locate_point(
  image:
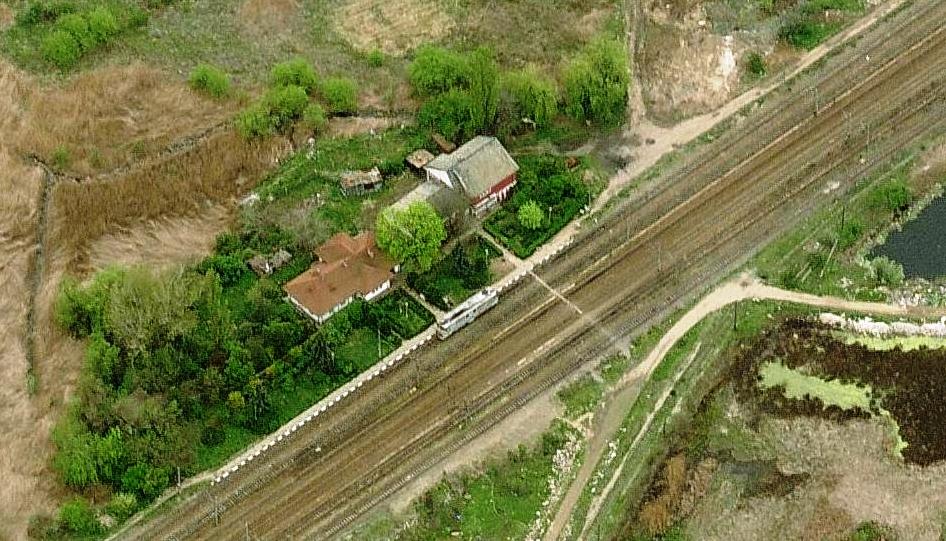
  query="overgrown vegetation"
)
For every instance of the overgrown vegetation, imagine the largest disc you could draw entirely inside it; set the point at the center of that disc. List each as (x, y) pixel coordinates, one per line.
(581, 396)
(816, 20)
(461, 273)
(61, 32)
(210, 80)
(547, 182)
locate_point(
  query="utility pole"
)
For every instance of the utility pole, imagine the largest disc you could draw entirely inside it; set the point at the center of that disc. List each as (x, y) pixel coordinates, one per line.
(735, 316)
(379, 343)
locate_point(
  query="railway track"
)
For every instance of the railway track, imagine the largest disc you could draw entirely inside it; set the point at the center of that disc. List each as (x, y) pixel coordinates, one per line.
(706, 217)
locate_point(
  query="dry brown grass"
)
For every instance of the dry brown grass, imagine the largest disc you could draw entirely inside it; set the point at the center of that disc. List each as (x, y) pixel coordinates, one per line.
(393, 26)
(222, 167)
(114, 116)
(265, 16)
(165, 241)
(6, 16)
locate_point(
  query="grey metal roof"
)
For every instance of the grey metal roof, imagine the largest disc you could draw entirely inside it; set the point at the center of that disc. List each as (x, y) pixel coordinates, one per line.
(478, 165)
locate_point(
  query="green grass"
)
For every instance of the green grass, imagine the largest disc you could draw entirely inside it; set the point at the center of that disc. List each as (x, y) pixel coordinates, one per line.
(905, 343)
(497, 501)
(581, 396)
(612, 369)
(812, 23)
(797, 385)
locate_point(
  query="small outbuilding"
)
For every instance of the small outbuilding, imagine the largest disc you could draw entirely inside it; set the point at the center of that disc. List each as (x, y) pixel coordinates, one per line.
(361, 182)
(265, 265)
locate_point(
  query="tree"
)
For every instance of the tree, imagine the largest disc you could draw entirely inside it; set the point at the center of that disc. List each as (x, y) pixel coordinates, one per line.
(596, 83)
(533, 96)
(412, 236)
(531, 215)
(450, 114)
(483, 91)
(436, 70)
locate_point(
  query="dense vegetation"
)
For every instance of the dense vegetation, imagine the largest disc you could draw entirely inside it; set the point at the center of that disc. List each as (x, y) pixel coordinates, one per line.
(461, 273)
(816, 20)
(547, 182)
(467, 94)
(411, 235)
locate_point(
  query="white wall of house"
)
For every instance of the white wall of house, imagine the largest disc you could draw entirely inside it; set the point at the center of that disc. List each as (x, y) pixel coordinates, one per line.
(322, 318)
(381, 289)
(441, 176)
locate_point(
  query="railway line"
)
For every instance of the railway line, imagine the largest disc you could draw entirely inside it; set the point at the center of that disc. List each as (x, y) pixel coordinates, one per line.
(698, 221)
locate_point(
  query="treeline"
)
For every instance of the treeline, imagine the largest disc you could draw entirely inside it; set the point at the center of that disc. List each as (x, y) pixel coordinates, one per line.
(467, 94)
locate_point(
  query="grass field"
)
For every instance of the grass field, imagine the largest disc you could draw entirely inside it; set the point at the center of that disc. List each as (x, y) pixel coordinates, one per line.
(798, 385)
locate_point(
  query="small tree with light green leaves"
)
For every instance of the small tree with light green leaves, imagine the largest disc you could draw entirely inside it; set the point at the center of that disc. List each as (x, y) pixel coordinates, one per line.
(530, 215)
(412, 235)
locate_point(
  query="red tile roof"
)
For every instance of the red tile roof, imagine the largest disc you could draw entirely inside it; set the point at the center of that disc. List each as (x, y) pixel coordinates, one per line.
(348, 267)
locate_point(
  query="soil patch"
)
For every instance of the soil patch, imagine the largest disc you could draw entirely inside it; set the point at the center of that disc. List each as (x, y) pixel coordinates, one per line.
(265, 16)
(7, 16)
(392, 26)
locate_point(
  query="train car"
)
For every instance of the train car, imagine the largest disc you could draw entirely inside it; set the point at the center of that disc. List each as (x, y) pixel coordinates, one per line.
(466, 312)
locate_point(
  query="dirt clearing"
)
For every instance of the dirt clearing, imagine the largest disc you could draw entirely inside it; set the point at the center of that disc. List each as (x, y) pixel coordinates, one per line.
(267, 16)
(6, 16)
(392, 26)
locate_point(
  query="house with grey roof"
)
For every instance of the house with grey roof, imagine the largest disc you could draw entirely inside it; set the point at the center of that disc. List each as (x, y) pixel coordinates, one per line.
(481, 169)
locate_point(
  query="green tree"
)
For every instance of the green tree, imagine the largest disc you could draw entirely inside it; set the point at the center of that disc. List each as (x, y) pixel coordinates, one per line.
(78, 517)
(436, 70)
(75, 453)
(340, 94)
(534, 96)
(295, 72)
(450, 114)
(412, 236)
(483, 91)
(145, 480)
(596, 83)
(531, 215)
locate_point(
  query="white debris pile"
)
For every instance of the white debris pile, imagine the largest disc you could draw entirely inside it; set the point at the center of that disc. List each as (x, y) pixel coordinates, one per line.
(879, 328)
(562, 465)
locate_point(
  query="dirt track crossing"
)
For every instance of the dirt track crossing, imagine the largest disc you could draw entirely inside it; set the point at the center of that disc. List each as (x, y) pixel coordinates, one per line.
(694, 224)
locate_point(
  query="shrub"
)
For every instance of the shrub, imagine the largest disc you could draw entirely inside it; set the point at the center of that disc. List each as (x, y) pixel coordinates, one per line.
(210, 80)
(886, 271)
(313, 118)
(755, 65)
(61, 49)
(285, 104)
(596, 83)
(77, 27)
(78, 517)
(849, 233)
(376, 58)
(531, 215)
(254, 121)
(295, 72)
(145, 480)
(38, 12)
(122, 505)
(805, 33)
(893, 195)
(103, 24)
(340, 94)
(533, 96)
(61, 158)
(436, 70)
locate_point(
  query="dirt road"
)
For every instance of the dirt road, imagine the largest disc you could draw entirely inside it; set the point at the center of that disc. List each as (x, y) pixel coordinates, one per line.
(693, 224)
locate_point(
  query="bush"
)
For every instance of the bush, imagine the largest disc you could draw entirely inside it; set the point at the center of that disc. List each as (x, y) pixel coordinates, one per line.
(77, 27)
(313, 117)
(893, 196)
(61, 49)
(78, 517)
(340, 94)
(886, 271)
(103, 24)
(255, 121)
(534, 97)
(805, 33)
(436, 70)
(145, 480)
(596, 83)
(122, 505)
(295, 72)
(376, 58)
(210, 80)
(38, 12)
(755, 65)
(285, 104)
(849, 233)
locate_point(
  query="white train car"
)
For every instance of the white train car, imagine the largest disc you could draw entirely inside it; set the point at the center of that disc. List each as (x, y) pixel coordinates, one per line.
(466, 312)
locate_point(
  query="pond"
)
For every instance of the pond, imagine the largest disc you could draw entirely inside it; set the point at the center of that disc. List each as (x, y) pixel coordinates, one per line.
(921, 245)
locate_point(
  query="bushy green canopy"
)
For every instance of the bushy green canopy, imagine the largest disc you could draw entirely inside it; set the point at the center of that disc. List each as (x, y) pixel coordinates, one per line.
(412, 236)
